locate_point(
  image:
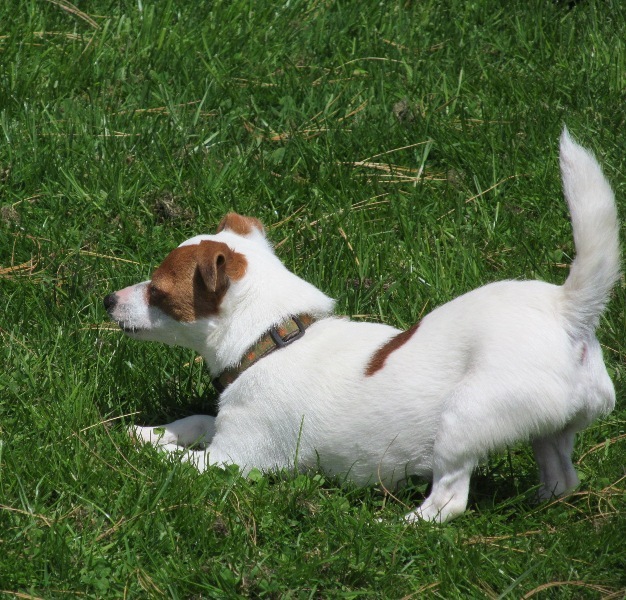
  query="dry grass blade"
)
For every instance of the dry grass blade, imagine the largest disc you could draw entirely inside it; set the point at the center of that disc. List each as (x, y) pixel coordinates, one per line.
(75, 37)
(395, 44)
(425, 588)
(582, 584)
(109, 465)
(345, 237)
(69, 36)
(245, 82)
(372, 58)
(18, 270)
(108, 257)
(70, 8)
(19, 511)
(159, 110)
(310, 129)
(112, 134)
(148, 584)
(354, 112)
(493, 187)
(597, 502)
(365, 204)
(397, 150)
(274, 136)
(286, 219)
(616, 595)
(601, 445)
(395, 173)
(480, 539)
(15, 340)
(131, 414)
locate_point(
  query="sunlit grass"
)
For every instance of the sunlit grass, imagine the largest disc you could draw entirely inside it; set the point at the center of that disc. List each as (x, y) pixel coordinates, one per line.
(400, 154)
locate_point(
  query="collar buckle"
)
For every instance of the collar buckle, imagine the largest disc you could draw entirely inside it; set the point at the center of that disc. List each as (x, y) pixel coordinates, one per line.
(289, 338)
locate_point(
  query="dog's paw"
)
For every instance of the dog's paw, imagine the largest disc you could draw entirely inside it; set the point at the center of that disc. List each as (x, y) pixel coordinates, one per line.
(420, 514)
(429, 511)
(157, 436)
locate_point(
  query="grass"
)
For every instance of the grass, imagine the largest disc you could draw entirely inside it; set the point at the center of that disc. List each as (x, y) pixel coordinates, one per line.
(401, 153)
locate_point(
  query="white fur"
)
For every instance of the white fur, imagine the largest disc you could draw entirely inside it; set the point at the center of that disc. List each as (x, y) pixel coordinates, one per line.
(509, 361)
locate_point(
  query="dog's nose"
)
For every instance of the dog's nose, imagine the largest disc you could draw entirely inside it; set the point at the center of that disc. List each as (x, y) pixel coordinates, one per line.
(109, 302)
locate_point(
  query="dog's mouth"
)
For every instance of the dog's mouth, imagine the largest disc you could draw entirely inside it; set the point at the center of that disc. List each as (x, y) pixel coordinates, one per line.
(129, 329)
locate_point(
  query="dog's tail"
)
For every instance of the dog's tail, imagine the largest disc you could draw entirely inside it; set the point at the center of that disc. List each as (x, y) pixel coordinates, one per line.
(596, 267)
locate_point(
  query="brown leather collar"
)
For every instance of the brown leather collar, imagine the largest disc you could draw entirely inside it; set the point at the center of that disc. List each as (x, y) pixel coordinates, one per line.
(277, 337)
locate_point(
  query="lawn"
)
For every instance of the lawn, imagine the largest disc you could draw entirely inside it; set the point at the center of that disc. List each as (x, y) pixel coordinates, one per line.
(400, 154)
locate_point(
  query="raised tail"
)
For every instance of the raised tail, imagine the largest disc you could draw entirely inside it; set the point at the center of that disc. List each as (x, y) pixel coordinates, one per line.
(596, 267)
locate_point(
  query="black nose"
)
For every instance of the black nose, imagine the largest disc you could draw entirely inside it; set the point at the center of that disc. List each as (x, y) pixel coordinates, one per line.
(109, 302)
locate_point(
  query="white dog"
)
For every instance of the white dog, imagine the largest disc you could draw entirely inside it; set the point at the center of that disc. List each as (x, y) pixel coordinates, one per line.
(300, 388)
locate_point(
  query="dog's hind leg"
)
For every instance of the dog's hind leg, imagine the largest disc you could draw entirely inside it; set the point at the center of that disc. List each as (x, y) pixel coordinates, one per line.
(483, 413)
(553, 454)
(197, 429)
(448, 497)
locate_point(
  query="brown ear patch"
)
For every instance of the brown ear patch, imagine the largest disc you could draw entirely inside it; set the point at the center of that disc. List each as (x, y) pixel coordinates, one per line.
(192, 280)
(218, 264)
(240, 225)
(377, 362)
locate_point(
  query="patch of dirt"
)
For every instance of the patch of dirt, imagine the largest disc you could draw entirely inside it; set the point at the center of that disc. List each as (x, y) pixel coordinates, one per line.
(403, 112)
(167, 208)
(9, 215)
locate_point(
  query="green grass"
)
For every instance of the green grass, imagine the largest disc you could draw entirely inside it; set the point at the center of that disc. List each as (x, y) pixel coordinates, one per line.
(401, 153)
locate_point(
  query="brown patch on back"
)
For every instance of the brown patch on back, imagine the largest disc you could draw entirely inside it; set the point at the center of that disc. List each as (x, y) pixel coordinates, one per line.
(240, 225)
(377, 362)
(192, 280)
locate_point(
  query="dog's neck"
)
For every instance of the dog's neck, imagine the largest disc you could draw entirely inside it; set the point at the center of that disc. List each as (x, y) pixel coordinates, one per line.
(276, 338)
(261, 300)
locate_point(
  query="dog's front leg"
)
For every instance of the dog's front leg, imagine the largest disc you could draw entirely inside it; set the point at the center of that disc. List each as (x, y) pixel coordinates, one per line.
(191, 439)
(202, 458)
(190, 431)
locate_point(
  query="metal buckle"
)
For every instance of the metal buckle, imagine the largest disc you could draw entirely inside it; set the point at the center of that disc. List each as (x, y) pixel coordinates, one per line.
(290, 337)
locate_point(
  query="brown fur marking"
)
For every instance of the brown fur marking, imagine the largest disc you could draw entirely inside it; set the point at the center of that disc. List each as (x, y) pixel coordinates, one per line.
(239, 224)
(192, 280)
(377, 362)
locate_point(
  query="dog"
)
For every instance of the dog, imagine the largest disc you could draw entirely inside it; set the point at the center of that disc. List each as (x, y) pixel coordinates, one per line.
(303, 389)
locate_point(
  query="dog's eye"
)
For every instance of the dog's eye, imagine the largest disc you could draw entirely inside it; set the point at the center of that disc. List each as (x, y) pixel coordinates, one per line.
(154, 292)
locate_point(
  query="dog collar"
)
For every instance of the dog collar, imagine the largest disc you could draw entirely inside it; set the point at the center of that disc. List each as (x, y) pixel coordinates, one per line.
(277, 337)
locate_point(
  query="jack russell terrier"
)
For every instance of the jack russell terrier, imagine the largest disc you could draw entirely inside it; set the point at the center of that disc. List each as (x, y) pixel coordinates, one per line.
(303, 389)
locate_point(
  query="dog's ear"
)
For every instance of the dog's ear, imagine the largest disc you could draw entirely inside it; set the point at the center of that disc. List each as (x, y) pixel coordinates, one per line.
(241, 225)
(218, 265)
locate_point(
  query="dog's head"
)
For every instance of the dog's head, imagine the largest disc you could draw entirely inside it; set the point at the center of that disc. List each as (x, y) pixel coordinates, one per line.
(190, 285)
(216, 294)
